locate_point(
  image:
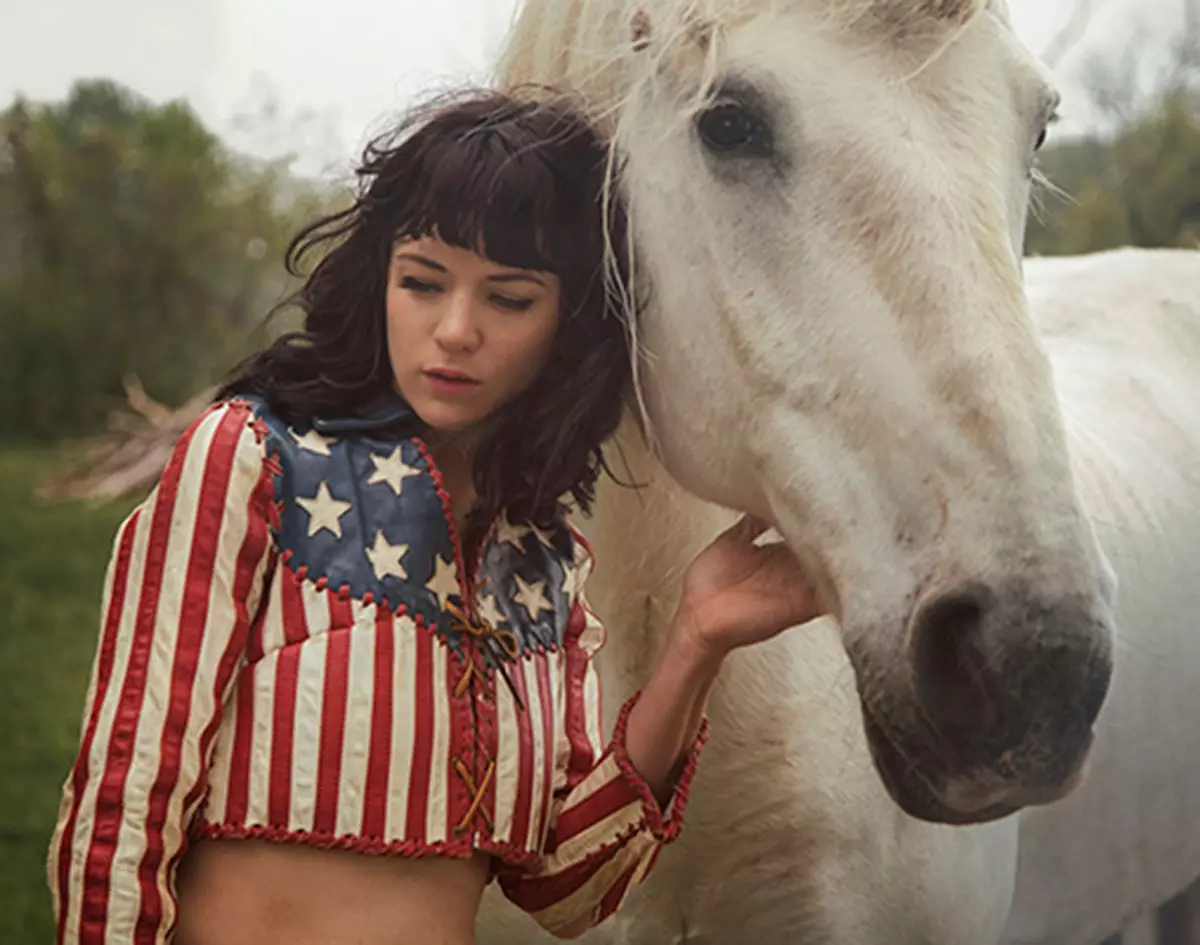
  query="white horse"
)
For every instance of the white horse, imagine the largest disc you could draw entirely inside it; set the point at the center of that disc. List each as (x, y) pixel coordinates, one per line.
(828, 199)
(1123, 333)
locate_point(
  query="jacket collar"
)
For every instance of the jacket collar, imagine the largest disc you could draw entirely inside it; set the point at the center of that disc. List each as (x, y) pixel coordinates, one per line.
(393, 412)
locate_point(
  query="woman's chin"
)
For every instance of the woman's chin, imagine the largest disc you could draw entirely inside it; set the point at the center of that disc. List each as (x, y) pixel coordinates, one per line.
(450, 425)
(443, 419)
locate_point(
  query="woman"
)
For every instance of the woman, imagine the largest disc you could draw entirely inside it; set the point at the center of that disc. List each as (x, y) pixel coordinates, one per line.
(345, 675)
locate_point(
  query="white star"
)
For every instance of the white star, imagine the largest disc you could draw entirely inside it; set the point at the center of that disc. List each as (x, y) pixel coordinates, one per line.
(392, 470)
(444, 581)
(489, 611)
(532, 597)
(543, 537)
(324, 511)
(312, 441)
(513, 534)
(385, 558)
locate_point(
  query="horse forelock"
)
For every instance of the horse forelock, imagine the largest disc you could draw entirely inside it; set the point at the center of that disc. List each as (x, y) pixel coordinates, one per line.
(593, 51)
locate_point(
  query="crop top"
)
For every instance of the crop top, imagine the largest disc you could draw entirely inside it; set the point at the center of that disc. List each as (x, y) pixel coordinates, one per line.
(292, 649)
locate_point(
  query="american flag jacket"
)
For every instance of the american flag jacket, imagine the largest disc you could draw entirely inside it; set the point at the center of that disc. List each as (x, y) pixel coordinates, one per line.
(293, 649)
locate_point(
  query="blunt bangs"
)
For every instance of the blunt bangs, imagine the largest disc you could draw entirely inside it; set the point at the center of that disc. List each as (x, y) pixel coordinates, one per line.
(516, 185)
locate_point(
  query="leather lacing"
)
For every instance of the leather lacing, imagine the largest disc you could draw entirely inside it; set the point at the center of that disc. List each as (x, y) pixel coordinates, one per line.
(477, 794)
(490, 638)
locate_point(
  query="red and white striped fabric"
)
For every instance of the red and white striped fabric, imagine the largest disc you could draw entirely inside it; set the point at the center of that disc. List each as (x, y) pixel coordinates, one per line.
(232, 697)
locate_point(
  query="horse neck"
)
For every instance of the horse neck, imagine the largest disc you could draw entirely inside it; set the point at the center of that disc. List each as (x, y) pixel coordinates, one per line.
(644, 537)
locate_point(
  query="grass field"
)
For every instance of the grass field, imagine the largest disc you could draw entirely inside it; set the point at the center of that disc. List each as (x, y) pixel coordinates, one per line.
(52, 561)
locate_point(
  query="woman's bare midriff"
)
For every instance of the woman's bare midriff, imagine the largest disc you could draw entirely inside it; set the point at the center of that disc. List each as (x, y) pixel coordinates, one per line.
(252, 892)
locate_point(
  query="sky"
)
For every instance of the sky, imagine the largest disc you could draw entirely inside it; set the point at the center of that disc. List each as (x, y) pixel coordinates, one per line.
(336, 71)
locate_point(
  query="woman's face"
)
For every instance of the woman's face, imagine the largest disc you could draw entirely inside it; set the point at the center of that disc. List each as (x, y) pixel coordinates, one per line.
(465, 335)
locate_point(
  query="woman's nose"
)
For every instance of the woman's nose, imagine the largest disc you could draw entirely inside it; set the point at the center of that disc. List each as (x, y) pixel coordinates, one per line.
(458, 326)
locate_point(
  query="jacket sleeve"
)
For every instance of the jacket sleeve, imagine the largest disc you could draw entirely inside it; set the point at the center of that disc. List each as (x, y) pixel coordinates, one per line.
(182, 587)
(607, 828)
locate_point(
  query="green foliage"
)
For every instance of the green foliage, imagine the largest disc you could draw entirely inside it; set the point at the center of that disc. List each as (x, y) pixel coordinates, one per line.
(1140, 187)
(131, 241)
(52, 560)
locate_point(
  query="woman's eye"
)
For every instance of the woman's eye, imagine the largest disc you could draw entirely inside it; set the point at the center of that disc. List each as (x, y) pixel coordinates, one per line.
(416, 285)
(511, 304)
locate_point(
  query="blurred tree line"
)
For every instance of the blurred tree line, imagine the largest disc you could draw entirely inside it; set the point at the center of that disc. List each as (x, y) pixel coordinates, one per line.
(1139, 186)
(1136, 179)
(132, 242)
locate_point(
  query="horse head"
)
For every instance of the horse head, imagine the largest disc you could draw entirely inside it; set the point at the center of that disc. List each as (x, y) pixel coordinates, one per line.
(827, 203)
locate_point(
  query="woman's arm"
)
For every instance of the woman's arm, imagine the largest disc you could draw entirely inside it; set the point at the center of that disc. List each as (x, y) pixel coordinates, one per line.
(735, 594)
(666, 719)
(181, 589)
(616, 814)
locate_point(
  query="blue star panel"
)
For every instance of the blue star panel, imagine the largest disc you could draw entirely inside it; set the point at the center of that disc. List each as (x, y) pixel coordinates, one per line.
(362, 510)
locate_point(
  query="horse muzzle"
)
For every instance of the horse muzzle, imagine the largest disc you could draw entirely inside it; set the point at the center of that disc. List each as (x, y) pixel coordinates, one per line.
(987, 703)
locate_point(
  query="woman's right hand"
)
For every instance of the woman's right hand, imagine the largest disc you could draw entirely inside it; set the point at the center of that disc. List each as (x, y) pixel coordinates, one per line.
(737, 593)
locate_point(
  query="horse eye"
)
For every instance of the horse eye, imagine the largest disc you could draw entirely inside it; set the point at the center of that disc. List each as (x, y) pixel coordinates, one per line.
(1044, 134)
(728, 126)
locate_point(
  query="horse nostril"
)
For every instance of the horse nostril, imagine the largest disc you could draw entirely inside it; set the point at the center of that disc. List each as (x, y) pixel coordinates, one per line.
(1004, 689)
(953, 679)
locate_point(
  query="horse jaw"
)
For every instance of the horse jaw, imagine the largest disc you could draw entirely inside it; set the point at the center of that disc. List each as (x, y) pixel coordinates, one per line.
(836, 339)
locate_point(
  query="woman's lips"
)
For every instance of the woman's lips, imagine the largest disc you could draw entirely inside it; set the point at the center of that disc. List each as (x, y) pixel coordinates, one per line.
(449, 382)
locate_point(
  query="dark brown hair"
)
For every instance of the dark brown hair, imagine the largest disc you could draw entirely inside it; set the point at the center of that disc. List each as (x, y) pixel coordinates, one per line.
(521, 182)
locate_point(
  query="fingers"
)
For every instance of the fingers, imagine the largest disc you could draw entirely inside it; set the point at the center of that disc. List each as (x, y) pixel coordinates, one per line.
(788, 566)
